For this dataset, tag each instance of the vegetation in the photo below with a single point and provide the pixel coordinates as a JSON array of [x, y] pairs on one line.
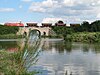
[[62, 31], [89, 37], [80, 33], [51, 36], [11, 36], [19, 62], [86, 27], [8, 29], [9, 32]]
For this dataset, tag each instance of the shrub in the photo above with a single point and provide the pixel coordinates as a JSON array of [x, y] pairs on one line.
[[8, 29]]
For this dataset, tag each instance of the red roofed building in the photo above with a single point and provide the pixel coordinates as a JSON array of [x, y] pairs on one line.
[[14, 24]]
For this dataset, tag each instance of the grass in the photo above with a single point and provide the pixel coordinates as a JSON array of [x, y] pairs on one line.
[[19, 62], [10, 36]]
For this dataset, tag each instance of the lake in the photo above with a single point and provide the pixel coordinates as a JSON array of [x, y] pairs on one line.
[[63, 58]]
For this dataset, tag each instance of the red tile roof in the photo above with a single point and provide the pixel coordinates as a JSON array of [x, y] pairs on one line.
[[14, 24]]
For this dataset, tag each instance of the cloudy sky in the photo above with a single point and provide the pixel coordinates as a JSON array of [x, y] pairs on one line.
[[70, 11]]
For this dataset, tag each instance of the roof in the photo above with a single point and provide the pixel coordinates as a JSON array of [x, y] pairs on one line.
[[14, 24]]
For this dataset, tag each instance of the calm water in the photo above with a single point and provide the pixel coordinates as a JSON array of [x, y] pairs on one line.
[[60, 58]]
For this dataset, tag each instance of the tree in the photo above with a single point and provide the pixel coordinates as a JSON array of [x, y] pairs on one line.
[[85, 26], [95, 26], [8, 29]]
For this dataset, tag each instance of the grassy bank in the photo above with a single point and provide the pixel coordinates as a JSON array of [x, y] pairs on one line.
[[90, 37], [10, 36]]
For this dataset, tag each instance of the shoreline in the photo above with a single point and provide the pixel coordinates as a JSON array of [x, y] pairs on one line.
[[12, 39]]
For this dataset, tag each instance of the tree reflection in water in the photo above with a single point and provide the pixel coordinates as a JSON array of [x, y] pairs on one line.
[[96, 47], [67, 47], [60, 46]]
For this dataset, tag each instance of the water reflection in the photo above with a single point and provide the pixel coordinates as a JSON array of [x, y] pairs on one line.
[[61, 46], [9, 46], [66, 58], [58, 46], [63, 58]]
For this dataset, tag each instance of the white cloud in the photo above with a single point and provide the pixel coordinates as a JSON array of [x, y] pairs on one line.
[[26, 0], [7, 9], [55, 20], [48, 3], [68, 2], [37, 9], [98, 15], [51, 20], [70, 9]]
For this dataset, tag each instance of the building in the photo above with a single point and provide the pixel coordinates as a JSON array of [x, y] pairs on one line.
[[60, 23], [14, 24], [46, 24], [32, 25]]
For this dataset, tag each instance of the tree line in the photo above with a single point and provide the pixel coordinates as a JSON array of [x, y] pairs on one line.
[[8, 29], [85, 26], [83, 32]]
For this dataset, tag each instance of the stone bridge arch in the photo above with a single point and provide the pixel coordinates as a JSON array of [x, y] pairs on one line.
[[43, 30], [33, 30]]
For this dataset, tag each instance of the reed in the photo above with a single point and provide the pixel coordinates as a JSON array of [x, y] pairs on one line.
[[19, 62]]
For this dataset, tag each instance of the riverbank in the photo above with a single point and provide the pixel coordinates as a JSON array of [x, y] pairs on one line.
[[13, 39], [52, 39]]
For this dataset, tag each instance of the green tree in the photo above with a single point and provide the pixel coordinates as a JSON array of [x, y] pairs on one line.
[[95, 26], [85, 26], [8, 29]]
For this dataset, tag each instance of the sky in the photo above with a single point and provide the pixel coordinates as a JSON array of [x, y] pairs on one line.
[[49, 11]]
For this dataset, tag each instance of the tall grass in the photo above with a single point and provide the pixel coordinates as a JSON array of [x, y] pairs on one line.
[[19, 62]]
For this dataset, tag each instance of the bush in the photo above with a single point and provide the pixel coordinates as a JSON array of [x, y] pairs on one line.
[[86, 37], [8, 29]]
